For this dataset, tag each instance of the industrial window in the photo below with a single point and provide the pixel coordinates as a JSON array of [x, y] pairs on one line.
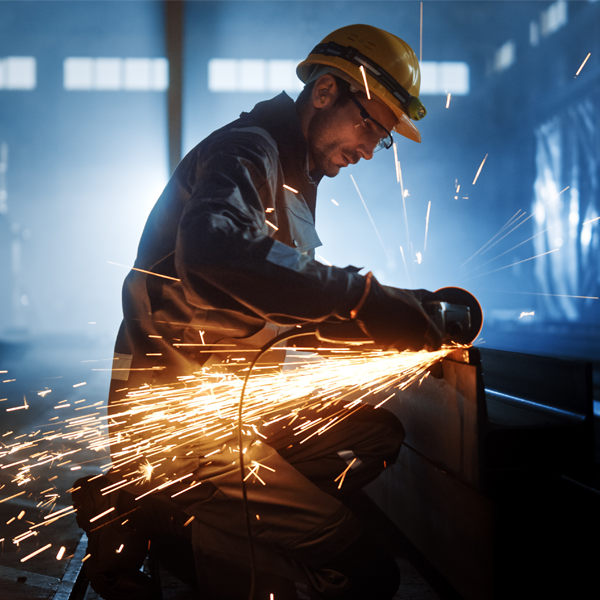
[[551, 20], [505, 56], [129, 74], [444, 77], [258, 75], [252, 75], [18, 73], [554, 17]]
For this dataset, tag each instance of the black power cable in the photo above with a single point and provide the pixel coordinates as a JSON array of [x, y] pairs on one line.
[[284, 336]]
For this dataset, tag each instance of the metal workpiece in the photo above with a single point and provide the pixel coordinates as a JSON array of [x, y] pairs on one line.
[[483, 469]]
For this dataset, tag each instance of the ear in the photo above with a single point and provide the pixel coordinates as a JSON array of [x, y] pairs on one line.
[[324, 92]]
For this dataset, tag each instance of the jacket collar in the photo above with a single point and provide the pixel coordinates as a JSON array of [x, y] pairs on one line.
[[280, 118]]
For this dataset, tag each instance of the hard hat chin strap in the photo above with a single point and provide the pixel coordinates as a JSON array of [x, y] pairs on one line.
[[411, 104]]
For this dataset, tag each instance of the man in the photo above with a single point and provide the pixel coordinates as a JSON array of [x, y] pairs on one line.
[[227, 260]]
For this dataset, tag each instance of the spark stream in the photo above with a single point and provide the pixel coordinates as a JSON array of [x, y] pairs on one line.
[[198, 416], [164, 436]]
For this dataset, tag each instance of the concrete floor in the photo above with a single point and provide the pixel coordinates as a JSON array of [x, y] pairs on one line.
[[40, 388]]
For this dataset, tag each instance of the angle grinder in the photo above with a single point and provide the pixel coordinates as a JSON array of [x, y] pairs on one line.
[[455, 312]]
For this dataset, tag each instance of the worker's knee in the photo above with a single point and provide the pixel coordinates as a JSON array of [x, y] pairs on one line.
[[387, 434]]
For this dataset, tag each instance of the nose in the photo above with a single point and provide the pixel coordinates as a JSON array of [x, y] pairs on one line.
[[365, 151]]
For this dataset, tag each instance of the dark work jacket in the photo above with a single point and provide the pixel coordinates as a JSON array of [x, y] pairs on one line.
[[231, 251]]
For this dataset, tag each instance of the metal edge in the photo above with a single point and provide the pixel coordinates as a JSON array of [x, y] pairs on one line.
[[72, 572]]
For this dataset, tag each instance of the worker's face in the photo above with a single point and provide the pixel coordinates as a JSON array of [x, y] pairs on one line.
[[337, 135]]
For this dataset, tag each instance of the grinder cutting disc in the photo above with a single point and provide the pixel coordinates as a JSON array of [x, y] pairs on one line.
[[459, 296]]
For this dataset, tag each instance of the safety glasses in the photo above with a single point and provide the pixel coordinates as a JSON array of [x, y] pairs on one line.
[[386, 140]]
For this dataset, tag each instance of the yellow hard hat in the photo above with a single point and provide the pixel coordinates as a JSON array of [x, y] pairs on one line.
[[390, 64]]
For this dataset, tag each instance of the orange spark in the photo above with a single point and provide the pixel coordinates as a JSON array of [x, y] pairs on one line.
[[38, 551], [583, 64], [102, 514], [110, 262], [342, 475]]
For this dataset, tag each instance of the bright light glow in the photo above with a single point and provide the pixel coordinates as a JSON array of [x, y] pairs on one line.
[[114, 74], [505, 56], [540, 213], [108, 73], [252, 75], [78, 73], [586, 234], [18, 73], [137, 74], [280, 75], [159, 74], [534, 33], [444, 77], [222, 75], [554, 17]]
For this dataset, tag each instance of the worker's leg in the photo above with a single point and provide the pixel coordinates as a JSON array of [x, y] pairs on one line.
[[362, 443], [298, 531]]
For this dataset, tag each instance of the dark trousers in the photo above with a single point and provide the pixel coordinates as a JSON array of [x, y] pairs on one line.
[[302, 531]]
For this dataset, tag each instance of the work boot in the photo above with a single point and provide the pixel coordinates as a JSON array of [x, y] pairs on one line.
[[116, 549]]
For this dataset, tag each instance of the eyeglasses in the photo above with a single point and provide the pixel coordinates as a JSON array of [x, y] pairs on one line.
[[386, 140]]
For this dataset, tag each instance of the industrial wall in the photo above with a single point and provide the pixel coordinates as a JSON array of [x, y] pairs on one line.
[[501, 197]]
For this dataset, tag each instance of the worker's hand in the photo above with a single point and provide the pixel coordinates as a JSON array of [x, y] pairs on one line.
[[393, 317]]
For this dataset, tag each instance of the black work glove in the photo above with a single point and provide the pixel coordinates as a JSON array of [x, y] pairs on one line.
[[393, 317]]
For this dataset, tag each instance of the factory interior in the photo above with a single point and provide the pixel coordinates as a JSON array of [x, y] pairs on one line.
[[496, 490]]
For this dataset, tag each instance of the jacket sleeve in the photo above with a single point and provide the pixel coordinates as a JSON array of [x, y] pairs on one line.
[[223, 246]]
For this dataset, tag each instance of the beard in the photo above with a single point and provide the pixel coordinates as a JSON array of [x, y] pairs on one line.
[[321, 145]]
